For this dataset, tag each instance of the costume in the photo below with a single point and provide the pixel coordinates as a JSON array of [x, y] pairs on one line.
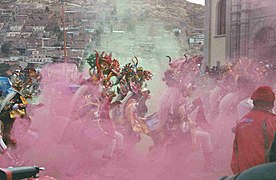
[[14, 96], [141, 98], [105, 119], [134, 124], [5, 87], [15, 102], [129, 80], [13, 106], [254, 133]]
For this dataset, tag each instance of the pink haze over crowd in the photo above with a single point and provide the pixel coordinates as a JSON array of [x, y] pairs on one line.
[[62, 139]]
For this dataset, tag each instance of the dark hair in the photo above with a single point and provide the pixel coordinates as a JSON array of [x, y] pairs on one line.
[[259, 103]]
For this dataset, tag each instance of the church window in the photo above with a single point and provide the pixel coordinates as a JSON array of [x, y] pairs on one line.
[[221, 29]]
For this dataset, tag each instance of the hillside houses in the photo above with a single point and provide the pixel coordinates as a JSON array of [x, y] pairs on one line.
[[36, 35]]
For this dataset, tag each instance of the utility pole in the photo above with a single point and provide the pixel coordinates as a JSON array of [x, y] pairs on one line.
[[64, 31]]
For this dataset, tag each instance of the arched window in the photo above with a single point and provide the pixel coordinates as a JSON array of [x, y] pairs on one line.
[[221, 29]]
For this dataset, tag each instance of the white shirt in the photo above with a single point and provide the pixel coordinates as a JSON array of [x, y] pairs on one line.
[[244, 107]]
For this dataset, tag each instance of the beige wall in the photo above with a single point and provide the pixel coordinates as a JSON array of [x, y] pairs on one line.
[[218, 51], [217, 43]]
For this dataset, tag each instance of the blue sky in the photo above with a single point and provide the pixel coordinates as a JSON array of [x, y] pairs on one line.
[[197, 1]]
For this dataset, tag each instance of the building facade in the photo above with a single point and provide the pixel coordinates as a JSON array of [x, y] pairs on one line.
[[239, 28]]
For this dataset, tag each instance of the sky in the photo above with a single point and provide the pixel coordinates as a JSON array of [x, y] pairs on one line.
[[197, 1]]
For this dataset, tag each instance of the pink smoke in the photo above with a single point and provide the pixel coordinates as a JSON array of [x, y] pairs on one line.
[[62, 138]]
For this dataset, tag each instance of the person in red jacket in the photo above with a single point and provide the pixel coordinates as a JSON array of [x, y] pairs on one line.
[[254, 132]]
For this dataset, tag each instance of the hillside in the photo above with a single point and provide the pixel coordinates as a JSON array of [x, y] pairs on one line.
[[177, 13]]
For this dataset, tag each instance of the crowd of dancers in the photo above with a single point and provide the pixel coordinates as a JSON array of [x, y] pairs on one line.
[[230, 112]]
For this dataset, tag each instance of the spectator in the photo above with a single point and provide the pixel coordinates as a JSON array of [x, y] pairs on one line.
[[254, 132]]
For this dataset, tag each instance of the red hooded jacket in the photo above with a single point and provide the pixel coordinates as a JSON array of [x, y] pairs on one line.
[[253, 138]]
